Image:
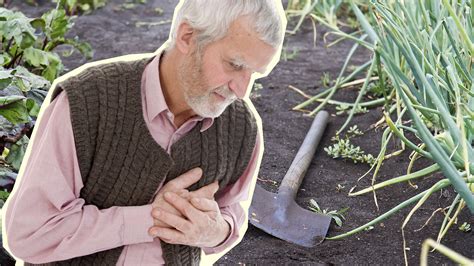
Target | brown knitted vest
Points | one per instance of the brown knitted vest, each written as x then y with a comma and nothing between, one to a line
122,165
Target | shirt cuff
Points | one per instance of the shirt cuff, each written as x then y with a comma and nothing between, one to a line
227,242
136,222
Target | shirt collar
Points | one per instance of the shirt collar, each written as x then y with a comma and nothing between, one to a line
155,100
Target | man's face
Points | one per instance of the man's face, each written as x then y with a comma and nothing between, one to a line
221,72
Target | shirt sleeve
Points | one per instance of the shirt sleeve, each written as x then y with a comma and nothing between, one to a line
45,218
230,202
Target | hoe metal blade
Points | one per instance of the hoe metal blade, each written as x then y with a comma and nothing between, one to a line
277,213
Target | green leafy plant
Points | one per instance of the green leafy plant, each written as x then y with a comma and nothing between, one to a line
28,65
343,148
377,90
22,45
73,7
425,48
337,216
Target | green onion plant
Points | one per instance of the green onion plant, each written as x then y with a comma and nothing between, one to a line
422,57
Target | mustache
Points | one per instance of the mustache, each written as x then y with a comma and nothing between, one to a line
226,92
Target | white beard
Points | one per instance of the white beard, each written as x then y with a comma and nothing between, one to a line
203,102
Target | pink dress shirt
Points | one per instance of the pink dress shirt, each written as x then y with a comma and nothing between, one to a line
46,220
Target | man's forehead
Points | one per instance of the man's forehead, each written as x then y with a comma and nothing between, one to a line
244,46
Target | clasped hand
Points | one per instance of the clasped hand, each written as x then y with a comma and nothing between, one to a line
188,218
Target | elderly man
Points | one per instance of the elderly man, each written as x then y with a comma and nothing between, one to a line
147,160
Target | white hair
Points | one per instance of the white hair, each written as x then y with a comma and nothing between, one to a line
212,19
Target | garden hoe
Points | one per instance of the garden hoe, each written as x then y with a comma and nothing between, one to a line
278,214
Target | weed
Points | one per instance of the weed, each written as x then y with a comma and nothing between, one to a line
465,227
343,148
326,79
337,216
287,55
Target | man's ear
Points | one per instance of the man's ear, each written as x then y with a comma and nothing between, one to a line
185,37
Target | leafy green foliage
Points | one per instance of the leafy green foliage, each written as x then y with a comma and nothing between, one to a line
23,46
4,195
28,65
28,62
423,53
427,51
377,90
17,152
18,107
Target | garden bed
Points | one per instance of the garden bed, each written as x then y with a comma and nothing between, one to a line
112,31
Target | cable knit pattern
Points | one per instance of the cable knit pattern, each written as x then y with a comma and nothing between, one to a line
122,165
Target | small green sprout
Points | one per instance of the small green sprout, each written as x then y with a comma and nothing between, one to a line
465,227
354,131
346,109
337,216
286,55
325,79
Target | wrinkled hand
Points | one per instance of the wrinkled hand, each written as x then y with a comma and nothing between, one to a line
179,185
200,223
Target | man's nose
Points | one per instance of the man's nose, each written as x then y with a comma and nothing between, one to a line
239,83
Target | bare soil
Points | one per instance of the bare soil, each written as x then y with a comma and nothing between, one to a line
112,32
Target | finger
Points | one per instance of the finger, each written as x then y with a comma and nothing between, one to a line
167,235
173,220
182,205
205,205
157,221
184,193
186,180
206,191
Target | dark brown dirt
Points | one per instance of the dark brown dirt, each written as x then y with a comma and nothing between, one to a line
111,31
